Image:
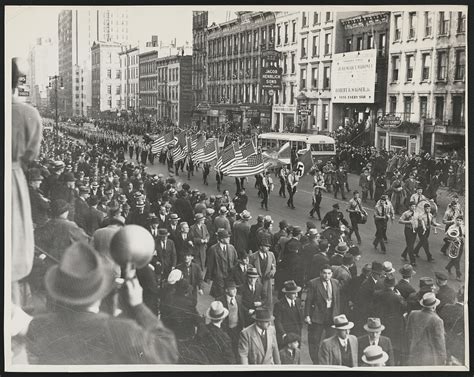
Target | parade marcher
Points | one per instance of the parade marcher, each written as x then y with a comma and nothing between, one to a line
455,261
258,343
452,212
357,214
68,335
253,245
221,259
365,183
200,237
342,348
340,180
288,313
290,353
410,219
381,216
374,329
445,294
453,320
426,221
321,306
316,201
403,286
291,185
334,218
240,232
425,334
380,186
282,176
266,189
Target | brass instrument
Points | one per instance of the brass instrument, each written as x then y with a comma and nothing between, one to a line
454,243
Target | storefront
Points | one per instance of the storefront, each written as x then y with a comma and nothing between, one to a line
393,135
440,139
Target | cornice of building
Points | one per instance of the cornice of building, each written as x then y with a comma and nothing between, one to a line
365,20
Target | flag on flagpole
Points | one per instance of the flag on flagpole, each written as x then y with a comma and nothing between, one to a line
304,164
198,152
210,150
191,143
284,154
161,141
178,150
241,154
227,158
249,166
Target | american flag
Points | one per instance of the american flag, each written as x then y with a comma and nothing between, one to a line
248,149
162,141
178,153
191,143
249,166
241,154
227,158
210,151
198,152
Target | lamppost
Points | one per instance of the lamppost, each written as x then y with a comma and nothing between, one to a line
55,79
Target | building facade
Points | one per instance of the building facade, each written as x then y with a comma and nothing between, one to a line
234,62
174,89
106,77
199,65
129,93
287,26
426,82
147,83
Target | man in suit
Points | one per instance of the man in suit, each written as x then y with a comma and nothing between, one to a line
241,231
173,226
253,233
253,295
235,321
288,313
445,294
183,242
78,333
364,298
192,273
321,306
403,286
95,217
221,259
342,348
214,339
81,206
319,259
221,221
258,343
425,334
265,263
163,218
453,320
200,237
165,251
374,329
39,203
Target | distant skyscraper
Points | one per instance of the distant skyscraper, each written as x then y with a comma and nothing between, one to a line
77,31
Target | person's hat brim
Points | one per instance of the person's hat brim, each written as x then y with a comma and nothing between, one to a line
298,289
224,314
383,359
435,304
367,328
266,319
347,326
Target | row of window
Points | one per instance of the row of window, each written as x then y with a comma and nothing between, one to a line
441,73
235,69
367,42
244,93
314,83
315,46
168,74
443,26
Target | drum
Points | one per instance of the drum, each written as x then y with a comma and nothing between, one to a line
420,208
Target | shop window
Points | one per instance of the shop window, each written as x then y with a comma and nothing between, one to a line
359,42
348,45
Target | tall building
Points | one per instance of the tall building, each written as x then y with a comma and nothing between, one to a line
41,68
234,64
426,82
199,77
77,30
174,89
106,77
284,104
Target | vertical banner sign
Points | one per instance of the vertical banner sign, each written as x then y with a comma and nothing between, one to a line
271,78
353,77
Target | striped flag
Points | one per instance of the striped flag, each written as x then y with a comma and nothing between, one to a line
249,166
179,152
227,158
162,141
191,143
198,152
248,149
210,150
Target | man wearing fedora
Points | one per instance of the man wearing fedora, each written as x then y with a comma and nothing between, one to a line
192,273
199,235
374,356
221,221
426,284
319,259
39,203
425,334
403,286
374,329
235,321
334,218
288,313
253,295
82,207
165,251
94,218
342,348
453,319
365,295
321,306
340,251
390,307
78,333
257,342
445,293
214,339
239,272
265,263
182,241
241,231
173,227
221,259
290,266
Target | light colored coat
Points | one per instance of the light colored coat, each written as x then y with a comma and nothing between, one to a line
330,351
267,275
251,349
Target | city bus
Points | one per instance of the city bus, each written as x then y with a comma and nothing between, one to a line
322,147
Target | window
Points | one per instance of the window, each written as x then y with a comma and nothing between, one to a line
264,35
423,107
109,103
370,42
292,94
315,45
410,66
328,16
348,45
293,32
285,64
109,89
426,64
411,25
395,68
327,77
303,47
393,104
398,27
292,63
460,64
327,44
109,73
406,108
315,18
439,108
303,78
278,34
461,24
443,23
359,43
283,92
314,77
304,20
382,44
458,111
117,89
325,116
442,65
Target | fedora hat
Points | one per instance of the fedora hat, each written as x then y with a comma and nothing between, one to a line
342,248
69,177
217,311
373,325
374,355
80,278
245,215
290,287
198,216
388,267
341,323
252,272
263,314
58,207
429,300
162,232
230,284
407,271
210,211
56,165
174,276
174,216
268,219
223,210
222,233
377,267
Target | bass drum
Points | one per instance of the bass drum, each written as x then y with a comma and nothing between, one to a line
420,208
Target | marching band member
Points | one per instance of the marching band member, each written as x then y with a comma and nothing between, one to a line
410,219
455,262
452,212
317,197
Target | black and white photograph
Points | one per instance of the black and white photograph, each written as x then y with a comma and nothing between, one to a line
212,188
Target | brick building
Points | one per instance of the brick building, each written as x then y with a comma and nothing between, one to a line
147,83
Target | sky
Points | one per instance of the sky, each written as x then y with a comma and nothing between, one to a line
165,21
